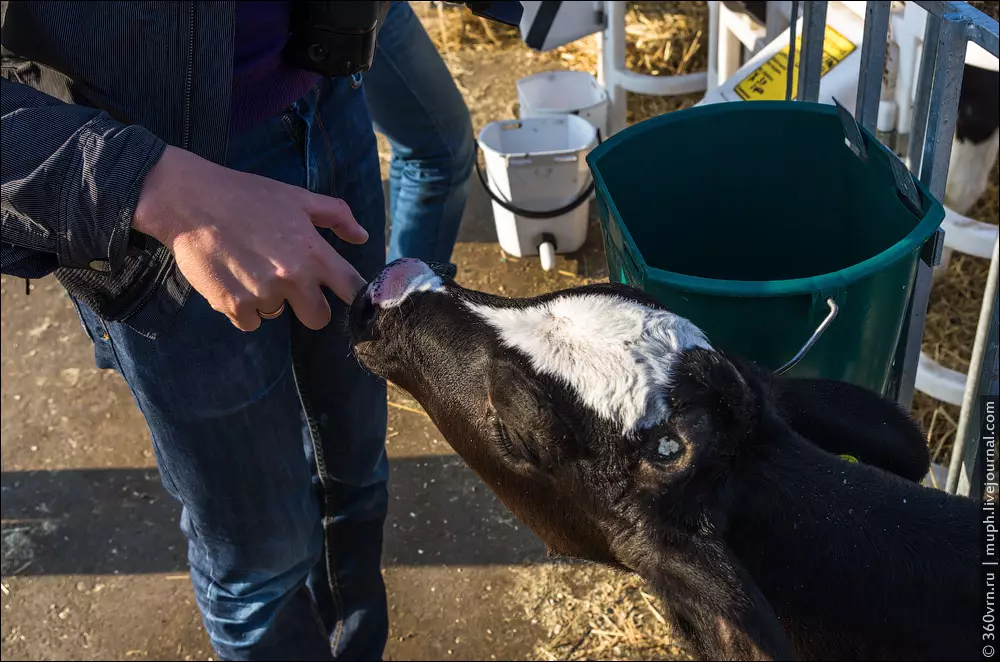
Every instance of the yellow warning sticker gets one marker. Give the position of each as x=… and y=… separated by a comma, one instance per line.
x=768, y=82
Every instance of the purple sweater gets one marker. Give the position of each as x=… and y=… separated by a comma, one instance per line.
x=263, y=83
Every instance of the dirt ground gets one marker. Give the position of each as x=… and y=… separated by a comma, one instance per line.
x=94, y=565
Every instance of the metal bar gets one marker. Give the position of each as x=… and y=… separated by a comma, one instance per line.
x=989, y=384
x=613, y=47
x=964, y=451
x=984, y=34
x=980, y=28
x=872, y=64
x=974, y=460
x=939, y=135
x=921, y=105
x=907, y=359
x=713, y=81
x=811, y=66
x=948, y=66
x=792, y=49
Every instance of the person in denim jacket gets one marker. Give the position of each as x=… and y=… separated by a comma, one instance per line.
x=212, y=211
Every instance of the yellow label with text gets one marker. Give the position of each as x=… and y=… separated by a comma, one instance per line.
x=769, y=81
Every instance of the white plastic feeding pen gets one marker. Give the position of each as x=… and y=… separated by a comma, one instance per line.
x=539, y=183
x=564, y=93
x=762, y=77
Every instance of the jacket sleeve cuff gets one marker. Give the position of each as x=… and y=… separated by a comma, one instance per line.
x=101, y=192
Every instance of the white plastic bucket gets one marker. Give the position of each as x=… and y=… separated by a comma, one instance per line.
x=564, y=93
x=537, y=165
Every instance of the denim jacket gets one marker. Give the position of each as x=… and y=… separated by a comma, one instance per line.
x=91, y=94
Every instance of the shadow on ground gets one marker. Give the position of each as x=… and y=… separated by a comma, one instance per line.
x=122, y=521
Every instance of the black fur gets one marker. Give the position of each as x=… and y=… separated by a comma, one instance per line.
x=826, y=412
x=978, y=105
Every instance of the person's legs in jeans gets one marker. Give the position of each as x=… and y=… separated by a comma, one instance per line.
x=345, y=404
x=273, y=441
x=416, y=105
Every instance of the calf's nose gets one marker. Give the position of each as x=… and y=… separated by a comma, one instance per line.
x=397, y=281
x=402, y=278
x=362, y=316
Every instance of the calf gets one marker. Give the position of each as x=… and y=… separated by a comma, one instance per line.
x=977, y=138
x=616, y=432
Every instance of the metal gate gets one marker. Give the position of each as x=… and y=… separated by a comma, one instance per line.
x=949, y=28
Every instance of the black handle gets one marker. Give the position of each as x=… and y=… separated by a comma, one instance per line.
x=527, y=213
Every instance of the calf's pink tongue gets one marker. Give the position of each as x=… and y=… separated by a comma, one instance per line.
x=400, y=280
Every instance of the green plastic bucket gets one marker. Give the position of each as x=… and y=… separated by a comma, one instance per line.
x=757, y=220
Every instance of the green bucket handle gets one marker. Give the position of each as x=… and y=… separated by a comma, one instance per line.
x=834, y=309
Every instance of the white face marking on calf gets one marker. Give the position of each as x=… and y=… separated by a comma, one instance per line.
x=401, y=279
x=614, y=353
x=969, y=171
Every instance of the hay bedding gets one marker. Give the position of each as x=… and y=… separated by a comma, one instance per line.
x=590, y=613
x=605, y=615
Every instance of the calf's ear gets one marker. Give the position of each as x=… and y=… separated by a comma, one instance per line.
x=705, y=384
x=843, y=418
x=714, y=603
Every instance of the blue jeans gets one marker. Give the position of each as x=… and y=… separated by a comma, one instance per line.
x=416, y=105
x=274, y=441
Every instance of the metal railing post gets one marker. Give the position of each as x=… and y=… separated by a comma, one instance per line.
x=908, y=354
x=965, y=452
x=613, y=60
x=813, y=36
x=872, y=64
x=949, y=28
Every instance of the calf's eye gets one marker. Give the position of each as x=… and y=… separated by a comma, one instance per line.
x=668, y=447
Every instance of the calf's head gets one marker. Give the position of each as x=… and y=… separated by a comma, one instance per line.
x=589, y=412
x=604, y=422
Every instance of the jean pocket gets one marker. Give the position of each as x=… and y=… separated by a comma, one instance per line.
x=83, y=320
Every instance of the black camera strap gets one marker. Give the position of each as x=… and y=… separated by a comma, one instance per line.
x=544, y=19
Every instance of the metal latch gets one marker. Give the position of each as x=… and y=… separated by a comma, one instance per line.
x=904, y=180
x=933, y=248
x=852, y=132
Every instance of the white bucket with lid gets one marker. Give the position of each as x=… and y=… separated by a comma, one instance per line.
x=539, y=183
x=564, y=93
